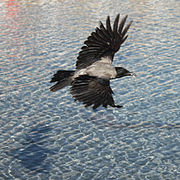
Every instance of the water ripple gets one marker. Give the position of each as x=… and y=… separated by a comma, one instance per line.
x=47, y=135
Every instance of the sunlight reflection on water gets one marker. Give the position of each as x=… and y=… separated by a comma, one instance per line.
x=48, y=135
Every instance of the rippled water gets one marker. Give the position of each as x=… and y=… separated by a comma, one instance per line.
x=49, y=136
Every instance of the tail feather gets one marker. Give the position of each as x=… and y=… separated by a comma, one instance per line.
x=63, y=78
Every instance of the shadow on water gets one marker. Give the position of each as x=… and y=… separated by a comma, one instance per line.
x=33, y=152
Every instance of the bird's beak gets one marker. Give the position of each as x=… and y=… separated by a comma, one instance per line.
x=131, y=74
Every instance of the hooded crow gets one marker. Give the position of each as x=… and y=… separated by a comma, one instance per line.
x=90, y=82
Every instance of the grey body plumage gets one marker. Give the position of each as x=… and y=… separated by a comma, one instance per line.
x=101, y=69
x=90, y=82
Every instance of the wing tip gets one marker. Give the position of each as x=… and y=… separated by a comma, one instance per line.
x=107, y=39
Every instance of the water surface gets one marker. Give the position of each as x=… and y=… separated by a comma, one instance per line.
x=47, y=135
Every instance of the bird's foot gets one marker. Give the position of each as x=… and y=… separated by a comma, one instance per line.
x=118, y=106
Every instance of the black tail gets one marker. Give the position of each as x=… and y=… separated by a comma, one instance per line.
x=62, y=77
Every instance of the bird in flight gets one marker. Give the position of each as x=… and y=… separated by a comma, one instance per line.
x=90, y=82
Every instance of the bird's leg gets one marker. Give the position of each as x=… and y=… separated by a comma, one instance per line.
x=117, y=106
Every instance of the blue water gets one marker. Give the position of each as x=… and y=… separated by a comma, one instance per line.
x=45, y=135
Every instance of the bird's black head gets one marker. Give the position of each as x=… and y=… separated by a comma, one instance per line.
x=121, y=72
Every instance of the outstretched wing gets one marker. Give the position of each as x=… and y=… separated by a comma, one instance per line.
x=104, y=42
x=92, y=91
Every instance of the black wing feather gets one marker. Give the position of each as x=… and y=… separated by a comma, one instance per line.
x=92, y=91
x=116, y=23
x=108, y=26
x=105, y=41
